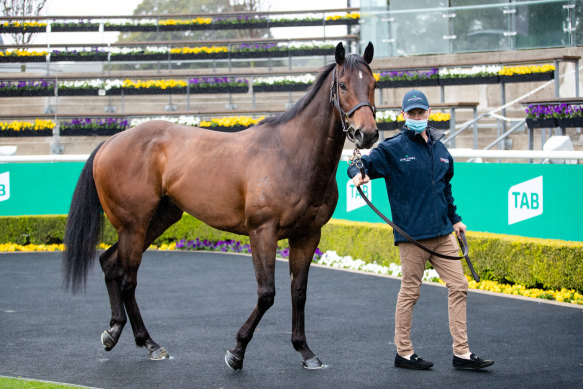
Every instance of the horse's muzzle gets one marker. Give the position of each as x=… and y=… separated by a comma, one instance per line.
x=362, y=139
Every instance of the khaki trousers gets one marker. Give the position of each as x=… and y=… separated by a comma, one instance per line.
x=413, y=261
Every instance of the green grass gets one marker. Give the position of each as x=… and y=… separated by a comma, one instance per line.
x=22, y=383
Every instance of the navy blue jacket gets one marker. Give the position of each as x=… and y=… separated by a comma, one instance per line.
x=417, y=175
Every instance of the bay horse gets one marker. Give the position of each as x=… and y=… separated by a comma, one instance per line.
x=272, y=181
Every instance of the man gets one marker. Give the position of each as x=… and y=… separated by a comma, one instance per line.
x=417, y=169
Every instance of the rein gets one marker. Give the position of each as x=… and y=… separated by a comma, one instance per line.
x=344, y=116
x=355, y=160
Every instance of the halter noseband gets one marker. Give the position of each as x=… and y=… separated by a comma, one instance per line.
x=344, y=116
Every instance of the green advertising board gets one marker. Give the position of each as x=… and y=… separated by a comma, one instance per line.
x=533, y=200
x=37, y=188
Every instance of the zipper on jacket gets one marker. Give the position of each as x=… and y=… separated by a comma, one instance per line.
x=433, y=179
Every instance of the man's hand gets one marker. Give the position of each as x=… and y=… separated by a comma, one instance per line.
x=358, y=180
x=457, y=227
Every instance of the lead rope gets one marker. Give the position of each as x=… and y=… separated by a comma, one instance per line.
x=357, y=161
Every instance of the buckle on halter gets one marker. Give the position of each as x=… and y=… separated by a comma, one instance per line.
x=356, y=158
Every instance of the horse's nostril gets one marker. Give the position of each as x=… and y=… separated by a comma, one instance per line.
x=358, y=136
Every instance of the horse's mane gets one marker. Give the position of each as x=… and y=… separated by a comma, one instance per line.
x=353, y=61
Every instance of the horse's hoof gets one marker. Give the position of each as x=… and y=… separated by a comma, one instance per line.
x=107, y=341
x=313, y=363
x=233, y=362
x=159, y=354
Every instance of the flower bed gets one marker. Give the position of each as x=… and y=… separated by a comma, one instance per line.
x=164, y=53
x=496, y=257
x=93, y=127
x=283, y=83
x=47, y=88
x=111, y=126
x=21, y=128
x=231, y=23
x=23, y=56
x=230, y=124
x=527, y=73
x=466, y=76
x=169, y=86
x=557, y=115
x=27, y=88
x=397, y=79
x=80, y=25
x=331, y=259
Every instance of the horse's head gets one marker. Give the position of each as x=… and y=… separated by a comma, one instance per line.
x=352, y=93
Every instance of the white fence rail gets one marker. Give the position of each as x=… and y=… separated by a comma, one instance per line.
x=501, y=154
x=346, y=154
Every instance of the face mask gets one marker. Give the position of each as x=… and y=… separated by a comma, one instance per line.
x=416, y=125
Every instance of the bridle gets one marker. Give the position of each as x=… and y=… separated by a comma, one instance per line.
x=344, y=116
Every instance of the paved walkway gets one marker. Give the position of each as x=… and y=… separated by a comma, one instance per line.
x=193, y=304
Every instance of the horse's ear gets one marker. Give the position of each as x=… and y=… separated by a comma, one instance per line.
x=340, y=54
x=368, y=52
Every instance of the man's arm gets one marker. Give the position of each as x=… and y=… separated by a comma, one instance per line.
x=376, y=165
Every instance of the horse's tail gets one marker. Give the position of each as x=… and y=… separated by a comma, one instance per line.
x=83, y=229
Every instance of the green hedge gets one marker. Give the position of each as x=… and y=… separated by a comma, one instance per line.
x=550, y=264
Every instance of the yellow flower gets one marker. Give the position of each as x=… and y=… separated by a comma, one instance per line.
x=351, y=15
x=11, y=247
x=23, y=53
x=198, y=50
x=527, y=69
x=23, y=24
x=376, y=76
x=20, y=126
x=435, y=117
x=162, y=84
x=231, y=121
x=173, y=22
x=439, y=117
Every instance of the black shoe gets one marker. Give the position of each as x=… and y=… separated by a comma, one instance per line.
x=415, y=363
x=474, y=362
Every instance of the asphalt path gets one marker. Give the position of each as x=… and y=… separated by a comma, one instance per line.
x=193, y=303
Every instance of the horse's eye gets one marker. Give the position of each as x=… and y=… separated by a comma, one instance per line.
x=342, y=85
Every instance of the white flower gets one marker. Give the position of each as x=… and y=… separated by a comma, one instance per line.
x=330, y=258
x=305, y=79
x=387, y=114
x=108, y=84
x=186, y=120
x=95, y=83
x=474, y=70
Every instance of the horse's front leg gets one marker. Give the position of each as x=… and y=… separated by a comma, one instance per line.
x=302, y=250
x=263, y=246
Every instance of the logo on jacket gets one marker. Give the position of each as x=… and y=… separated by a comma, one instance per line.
x=4, y=186
x=407, y=158
x=525, y=200
x=444, y=160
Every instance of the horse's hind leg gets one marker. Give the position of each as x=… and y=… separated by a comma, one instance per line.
x=302, y=250
x=113, y=273
x=122, y=283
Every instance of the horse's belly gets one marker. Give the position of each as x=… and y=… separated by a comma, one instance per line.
x=215, y=208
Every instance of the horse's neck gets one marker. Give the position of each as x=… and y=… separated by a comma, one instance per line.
x=313, y=139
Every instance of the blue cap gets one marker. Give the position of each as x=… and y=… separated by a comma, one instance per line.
x=415, y=99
